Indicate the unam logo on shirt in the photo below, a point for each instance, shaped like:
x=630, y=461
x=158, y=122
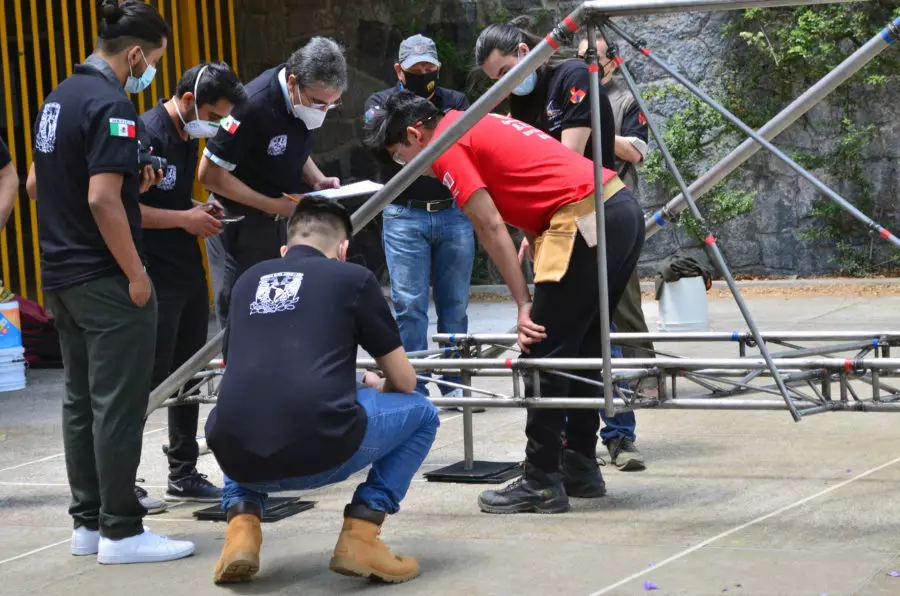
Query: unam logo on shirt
x=46, y=136
x=168, y=181
x=278, y=145
x=276, y=292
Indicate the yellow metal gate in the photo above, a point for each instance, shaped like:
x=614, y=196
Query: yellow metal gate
x=43, y=40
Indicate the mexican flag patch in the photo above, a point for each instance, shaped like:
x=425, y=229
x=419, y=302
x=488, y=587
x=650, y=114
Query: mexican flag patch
x=230, y=124
x=119, y=127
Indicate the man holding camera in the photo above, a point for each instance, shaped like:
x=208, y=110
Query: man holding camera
x=172, y=221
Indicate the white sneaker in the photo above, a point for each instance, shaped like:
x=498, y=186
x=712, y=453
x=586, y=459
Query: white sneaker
x=143, y=548
x=85, y=542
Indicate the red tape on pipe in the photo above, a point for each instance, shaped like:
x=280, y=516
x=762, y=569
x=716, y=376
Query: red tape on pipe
x=508, y=363
x=593, y=68
x=885, y=234
x=571, y=24
x=552, y=41
x=848, y=365
x=645, y=51
x=619, y=60
x=710, y=240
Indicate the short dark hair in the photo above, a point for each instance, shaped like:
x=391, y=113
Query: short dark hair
x=387, y=124
x=130, y=23
x=218, y=82
x=321, y=60
x=315, y=216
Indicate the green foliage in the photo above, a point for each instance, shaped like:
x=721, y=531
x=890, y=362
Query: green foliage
x=689, y=134
x=787, y=50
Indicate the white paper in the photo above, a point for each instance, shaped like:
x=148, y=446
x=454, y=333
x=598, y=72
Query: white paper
x=365, y=187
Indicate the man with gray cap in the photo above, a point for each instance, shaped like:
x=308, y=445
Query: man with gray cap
x=427, y=238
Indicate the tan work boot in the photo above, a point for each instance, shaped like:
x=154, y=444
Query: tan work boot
x=359, y=552
x=243, y=538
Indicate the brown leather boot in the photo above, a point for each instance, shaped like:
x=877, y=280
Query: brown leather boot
x=359, y=552
x=243, y=539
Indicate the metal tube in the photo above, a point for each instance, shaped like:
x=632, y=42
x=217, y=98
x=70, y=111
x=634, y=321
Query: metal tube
x=775, y=126
x=828, y=192
x=643, y=7
x=468, y=430
x=184, y=373
x=712, y=247
x=600, y=216
x=742, y=364
x=701, y=336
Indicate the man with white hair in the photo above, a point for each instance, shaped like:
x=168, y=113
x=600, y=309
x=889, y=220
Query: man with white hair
x=263, y=151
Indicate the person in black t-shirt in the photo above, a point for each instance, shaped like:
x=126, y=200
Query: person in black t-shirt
x=263, y=151
x=290, y=415
x=9, y=184
x=554, y=99
x=86, y=179
x=172, y=222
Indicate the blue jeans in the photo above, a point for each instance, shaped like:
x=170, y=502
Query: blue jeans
x=421, y=247
x=622, y=424
x=400, y=432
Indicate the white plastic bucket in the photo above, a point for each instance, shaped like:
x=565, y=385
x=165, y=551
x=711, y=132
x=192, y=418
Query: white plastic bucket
x=12, y=369
x=683, y=306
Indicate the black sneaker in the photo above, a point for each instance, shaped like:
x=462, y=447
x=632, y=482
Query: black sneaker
x=625, y=455
x=535, y=492
x=153, y=506
x=581, y=476
x=193, y=487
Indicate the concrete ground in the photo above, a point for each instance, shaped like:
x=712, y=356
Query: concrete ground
x=746, y=503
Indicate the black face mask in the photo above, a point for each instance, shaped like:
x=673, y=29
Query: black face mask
x=422, y=85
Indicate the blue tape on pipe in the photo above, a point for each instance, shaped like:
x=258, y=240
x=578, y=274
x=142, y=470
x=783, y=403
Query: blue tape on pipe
x=886, y=33
x=875, y=342
x=452, y=337
x=659, y=219
x=735, y=335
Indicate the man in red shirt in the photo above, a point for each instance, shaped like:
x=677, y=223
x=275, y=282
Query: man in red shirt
x=500, y=172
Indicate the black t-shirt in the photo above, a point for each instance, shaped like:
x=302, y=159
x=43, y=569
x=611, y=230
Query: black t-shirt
x=262, y=143
x=560, y=101
x=5, y=157
x=87, y=126
x=424, y=188
x=287, y=403
x=173, y=255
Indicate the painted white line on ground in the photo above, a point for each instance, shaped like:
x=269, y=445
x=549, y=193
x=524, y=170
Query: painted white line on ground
x=31, y=552
x=743, y=526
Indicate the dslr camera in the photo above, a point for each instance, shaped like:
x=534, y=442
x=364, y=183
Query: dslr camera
x=146, y=158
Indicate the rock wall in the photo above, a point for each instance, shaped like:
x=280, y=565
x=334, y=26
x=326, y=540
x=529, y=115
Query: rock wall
x=765, y=241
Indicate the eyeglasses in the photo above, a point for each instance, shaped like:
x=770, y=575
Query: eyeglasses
x=399, y=159
x=320, y=106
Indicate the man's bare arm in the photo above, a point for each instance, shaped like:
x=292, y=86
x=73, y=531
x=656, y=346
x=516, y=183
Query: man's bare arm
x=626, y=151
x=105, y=201
x=31, y=183
x=399, y=374
x=222, y=182
x=493, y=235
x=9, y=188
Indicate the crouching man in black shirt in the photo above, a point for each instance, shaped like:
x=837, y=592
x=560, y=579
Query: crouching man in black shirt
x=289, y=414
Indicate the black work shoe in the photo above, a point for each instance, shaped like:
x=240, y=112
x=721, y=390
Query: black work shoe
x=581, y=476
x=193, y=487
x=625, y=455
x=535, y=492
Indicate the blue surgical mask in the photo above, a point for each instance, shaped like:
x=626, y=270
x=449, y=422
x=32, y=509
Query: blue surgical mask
x=527, y=86
x=134, y=84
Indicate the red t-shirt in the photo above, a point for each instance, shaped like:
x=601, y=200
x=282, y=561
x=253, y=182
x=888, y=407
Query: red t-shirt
x=528, y=174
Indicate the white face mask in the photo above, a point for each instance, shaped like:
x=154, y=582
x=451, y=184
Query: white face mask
x=312, y=118
x=198, y=129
